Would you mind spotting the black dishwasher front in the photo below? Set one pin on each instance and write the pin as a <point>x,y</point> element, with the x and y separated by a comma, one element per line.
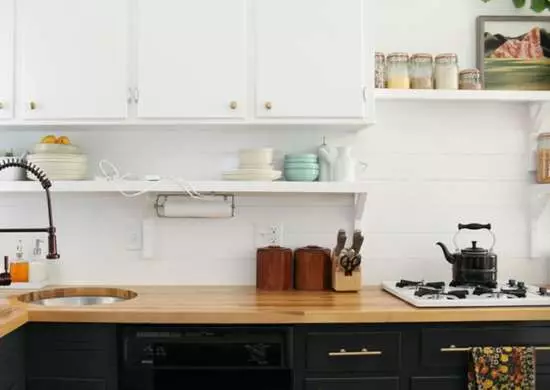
<point>167,358</point>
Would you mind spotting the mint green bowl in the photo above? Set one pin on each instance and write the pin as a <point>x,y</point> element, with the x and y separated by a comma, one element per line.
<point>301,165</point>
<point>297,174</point>
<point>306,158</point>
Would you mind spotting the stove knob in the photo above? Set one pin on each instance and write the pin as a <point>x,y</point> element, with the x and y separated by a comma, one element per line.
<point>512,283</point>
<point>521,285</point>
<point>543,291</point>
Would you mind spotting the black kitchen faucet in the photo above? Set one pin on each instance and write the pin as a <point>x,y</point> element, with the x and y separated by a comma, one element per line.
<point>46,184</point>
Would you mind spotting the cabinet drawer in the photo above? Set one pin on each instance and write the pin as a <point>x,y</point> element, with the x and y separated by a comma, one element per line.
<point>66,384</point>
<point>353,384</point>
<point>70,336</point>
<point>439,383</point>
<point>434,340</point>
<point>353,351</point>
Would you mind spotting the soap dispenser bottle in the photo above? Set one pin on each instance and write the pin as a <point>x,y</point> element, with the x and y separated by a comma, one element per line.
<point>37,269</point>
<point>326,161</point>
<point>19,268</point>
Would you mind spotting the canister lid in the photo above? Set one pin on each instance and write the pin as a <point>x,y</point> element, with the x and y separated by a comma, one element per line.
<point>398,57</point>
<point>422,57</point>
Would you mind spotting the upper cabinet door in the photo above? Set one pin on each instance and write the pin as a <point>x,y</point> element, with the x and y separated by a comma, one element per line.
<point>309,58</point>
<point>72,59</point>
<point>192,58</point>
<point>7,16</point>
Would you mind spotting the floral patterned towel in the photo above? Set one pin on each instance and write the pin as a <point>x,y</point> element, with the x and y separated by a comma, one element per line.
<point>502,368</point>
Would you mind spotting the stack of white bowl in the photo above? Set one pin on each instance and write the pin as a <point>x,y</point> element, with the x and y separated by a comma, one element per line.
<point>254,165</point>
<point>59,162</point>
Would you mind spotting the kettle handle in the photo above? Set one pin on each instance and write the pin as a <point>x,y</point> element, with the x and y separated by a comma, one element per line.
<point>474,226</point>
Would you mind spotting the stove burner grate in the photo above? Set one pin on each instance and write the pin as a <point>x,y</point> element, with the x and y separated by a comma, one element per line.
<point>403,283</point>
<point>431,293</point>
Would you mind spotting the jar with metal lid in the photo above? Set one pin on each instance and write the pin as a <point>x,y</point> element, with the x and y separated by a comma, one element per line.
<point>470,79</point>
<point>421,70</point>
<point>446,71</point>
<point>543,158</point>
<point>380,71</point>
<point>398,71</point>
<point>274,267</point>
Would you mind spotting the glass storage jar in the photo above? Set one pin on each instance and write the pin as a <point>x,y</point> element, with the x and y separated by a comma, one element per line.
<point>398,71</point>
<point>421,70</point>
<point>543,158</point>
<point>470,79</point>
<point>380,71</point>
<point>446,71</point>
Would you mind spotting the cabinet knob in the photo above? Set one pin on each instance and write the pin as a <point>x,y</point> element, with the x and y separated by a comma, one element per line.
<point>32,105</point>
<point>1,105</point>
<point>233,105</point>
<point>268,105</point>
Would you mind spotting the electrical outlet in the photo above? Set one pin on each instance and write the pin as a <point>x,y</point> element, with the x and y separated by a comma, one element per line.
<point>269,235</point>
<point>134,236</point>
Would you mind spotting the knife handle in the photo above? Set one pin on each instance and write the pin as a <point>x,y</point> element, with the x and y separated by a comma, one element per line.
<point>358,239</point>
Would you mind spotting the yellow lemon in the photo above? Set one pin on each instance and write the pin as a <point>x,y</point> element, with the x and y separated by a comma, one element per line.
<point>503,369</point>
<point>504,358</point>
<point>488,384</point>
<point>49,139</point>
<point>63,140</point>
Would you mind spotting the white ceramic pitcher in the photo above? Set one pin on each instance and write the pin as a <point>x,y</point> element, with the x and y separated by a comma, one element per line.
<point>345,166</point>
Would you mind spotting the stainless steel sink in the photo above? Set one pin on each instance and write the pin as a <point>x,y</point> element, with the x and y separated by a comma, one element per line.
<point>77,297</point>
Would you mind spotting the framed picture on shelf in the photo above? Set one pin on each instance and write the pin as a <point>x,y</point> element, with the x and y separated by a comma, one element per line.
<point>513,52</point>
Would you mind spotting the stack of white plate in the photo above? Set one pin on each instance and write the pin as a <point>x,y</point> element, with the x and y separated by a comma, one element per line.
<point>254,165</point>
<point>60,162</point>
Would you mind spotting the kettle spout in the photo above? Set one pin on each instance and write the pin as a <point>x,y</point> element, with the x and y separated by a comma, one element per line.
<point>448,255</point>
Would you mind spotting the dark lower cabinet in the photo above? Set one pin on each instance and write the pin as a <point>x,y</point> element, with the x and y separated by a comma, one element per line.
<point>324,357</point>
<point>72,357</point>
<point>439,383</point>
<point>67,384</point>
<point>353,384</point>
<point>12,361</point>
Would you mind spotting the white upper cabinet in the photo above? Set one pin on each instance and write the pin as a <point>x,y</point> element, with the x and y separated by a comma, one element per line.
<point>192,58</point>
<point>72,59</point>
<point>7,16</point>
<point>309,58</point>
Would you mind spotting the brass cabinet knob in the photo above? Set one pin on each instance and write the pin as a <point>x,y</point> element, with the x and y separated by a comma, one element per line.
<point>32,105</point>
<point>268,105</point>
<point>233,105</point>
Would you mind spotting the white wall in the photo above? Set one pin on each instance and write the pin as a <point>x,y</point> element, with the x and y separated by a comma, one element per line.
<point>432,165</point>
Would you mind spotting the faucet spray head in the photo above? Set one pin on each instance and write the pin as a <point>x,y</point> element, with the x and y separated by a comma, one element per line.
<point>52,245</point>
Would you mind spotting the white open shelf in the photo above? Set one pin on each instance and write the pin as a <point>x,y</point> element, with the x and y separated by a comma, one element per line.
<point>463,95</point>
<point>199,186</point>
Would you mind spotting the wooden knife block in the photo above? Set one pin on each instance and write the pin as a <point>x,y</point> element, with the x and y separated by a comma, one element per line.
<point>343,283</point>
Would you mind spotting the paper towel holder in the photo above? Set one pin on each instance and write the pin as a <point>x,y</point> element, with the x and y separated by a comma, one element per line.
<point>163,198</point>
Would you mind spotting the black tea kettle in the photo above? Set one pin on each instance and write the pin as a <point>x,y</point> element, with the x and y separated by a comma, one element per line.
<point>474,265</point>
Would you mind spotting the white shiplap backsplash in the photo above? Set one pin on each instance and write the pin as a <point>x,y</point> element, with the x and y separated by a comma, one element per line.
<point>432,165</point>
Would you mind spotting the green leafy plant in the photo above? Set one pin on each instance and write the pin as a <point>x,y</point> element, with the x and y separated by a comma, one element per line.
<point>536,5</point>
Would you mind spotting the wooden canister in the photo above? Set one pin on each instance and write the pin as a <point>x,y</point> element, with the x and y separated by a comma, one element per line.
<point>274,268</point>
<point>312,268</point>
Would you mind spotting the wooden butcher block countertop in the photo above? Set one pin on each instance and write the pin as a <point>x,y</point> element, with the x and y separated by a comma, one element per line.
<point>11,319</point>
<point>246,305</point>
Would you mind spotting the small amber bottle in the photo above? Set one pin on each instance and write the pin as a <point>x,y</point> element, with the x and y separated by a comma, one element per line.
<point>19,269</point>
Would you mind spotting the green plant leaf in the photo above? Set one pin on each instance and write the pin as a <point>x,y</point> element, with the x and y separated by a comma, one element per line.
<point>519,3</point>
<point>538,5</point>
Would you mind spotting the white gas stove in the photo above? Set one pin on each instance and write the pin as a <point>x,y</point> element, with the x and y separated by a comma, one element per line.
<point>440,294</point>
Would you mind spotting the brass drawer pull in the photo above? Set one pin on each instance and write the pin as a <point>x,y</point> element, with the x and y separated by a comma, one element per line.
<point>453,348</point>
<point>362,352</point>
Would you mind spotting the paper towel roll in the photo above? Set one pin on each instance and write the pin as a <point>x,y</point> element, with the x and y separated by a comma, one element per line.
<point>195,208</point>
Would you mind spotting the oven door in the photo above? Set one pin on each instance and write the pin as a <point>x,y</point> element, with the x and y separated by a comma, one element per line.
<point>170,379</point>
<point>242,358</point>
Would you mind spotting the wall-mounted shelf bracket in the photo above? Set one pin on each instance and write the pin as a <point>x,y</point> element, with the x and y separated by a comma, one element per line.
<point>538,200</point>
<point>360,205</point>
